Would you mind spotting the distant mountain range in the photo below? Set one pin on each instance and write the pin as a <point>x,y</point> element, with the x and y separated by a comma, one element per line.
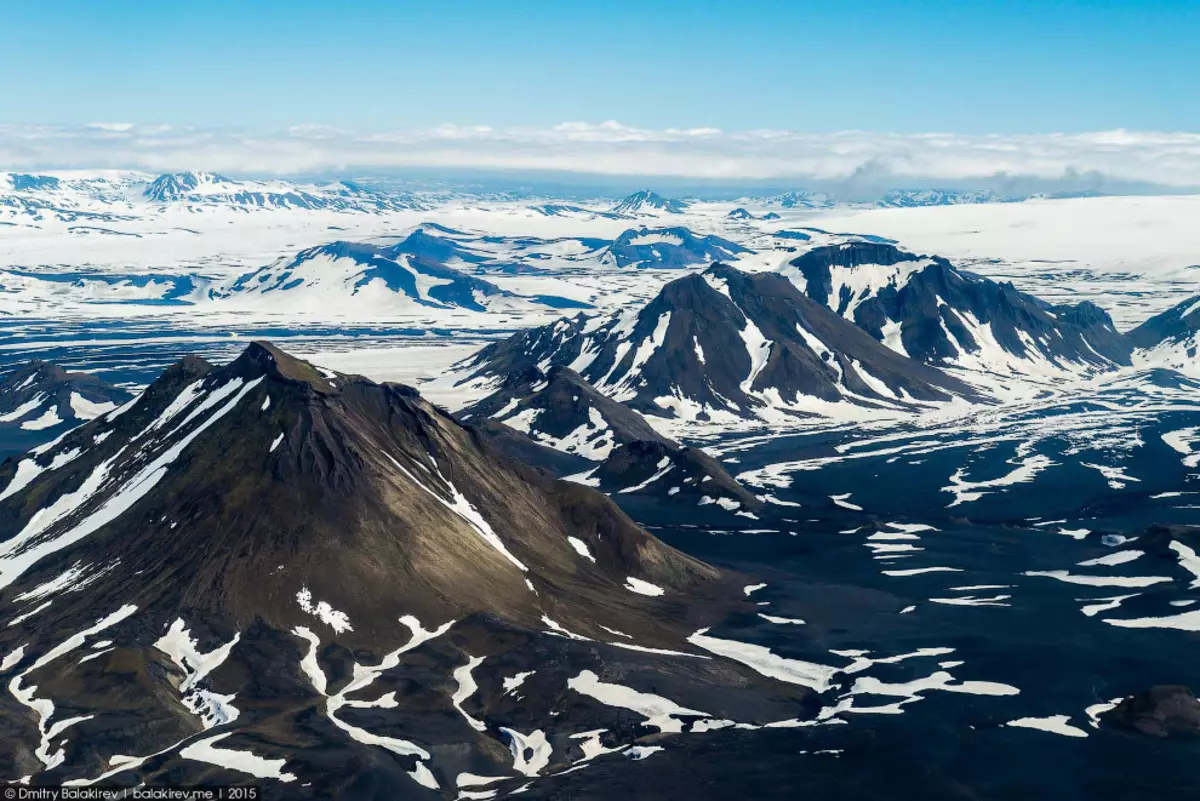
<point>204,188</point>
<point>99,196</point>
<point>802,199</point>
<point>78,196</point>
<point>911,198</point>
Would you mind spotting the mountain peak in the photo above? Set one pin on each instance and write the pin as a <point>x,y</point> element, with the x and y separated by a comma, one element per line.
<point>925,308</point>
<point>726,344</point>
<point>174,185</point>
<point>649,201</point>
<point>244,553</point>
<point>263,358</point>
<point>328,490</point>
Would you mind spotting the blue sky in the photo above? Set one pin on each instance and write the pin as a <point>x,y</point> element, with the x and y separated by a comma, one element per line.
<point>974,67</point>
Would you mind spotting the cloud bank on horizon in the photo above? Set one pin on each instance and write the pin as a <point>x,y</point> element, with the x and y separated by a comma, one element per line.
<point>1086,160</point>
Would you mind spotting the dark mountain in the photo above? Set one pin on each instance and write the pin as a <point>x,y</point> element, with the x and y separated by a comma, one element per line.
<point>521,447</point>
<point>647,202</point>
<point>1164,711</point>
<point>273,571</point>
<point>740,214</point>
<point>40,400</point>
<point>923,307</point>
<point>669,248</point>
<point>1172,338</point>
<point>721,346</point>
<point>561,410</point>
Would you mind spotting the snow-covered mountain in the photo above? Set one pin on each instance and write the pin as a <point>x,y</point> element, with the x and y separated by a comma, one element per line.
<point>669,248</point>
<point>911,198</point>
<point>925,308</point>
<point>420,271</point>
<point>116,195</point>
<point>572,211</point>
<point>69,197</point>
<point>646,201</point>
<point>802,199</point>
<point>722,346</point>
<point>209,189</point>
<point>1170,339</point>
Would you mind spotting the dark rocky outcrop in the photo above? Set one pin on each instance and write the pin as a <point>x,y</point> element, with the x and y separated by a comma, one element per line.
<point>1164,711</point>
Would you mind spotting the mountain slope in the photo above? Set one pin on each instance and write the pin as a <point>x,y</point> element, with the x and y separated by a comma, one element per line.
<point>1170,339</point>
<point>250,555</point>
<point>561,410</point>
<point>722,346</point>
<point>670,473</point>
<point>40,400</point>
<point>923,307</point>
<point>354,276</point>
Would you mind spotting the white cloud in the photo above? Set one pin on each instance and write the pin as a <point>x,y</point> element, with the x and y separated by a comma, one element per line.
<point>611,148</point>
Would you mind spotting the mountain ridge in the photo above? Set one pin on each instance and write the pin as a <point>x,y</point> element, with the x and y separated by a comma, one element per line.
<point>922,306</point>
<point>773,341</point>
